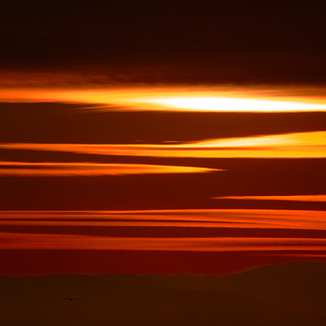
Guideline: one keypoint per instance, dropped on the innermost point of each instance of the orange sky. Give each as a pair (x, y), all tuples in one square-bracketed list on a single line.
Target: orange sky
[(161, 127), (29, 229)]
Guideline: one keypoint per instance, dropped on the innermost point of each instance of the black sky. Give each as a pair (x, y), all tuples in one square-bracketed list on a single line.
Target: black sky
[(168, 41)]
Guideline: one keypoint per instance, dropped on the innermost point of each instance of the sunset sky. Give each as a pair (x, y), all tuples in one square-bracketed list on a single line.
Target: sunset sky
[(161, 137)]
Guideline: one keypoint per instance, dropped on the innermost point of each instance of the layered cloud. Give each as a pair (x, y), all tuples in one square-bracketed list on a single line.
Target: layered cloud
[(65, 242), (206, 218), (20, 235)]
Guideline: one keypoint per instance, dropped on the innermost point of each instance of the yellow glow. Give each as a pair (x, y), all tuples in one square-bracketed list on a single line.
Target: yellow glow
[(316, 138), (295, 145), (89, 169), (178, 98), (224, 104)]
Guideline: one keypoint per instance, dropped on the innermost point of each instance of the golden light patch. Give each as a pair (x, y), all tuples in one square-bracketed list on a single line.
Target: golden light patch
[(294, 145), (225, 104), (48, 169), (178, 98)]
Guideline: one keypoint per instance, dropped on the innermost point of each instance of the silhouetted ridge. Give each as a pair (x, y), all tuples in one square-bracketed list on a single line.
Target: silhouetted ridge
[(292, 294)]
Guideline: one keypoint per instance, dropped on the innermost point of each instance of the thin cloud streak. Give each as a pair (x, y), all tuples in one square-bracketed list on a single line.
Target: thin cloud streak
[(311, 139), (294, 145), (49, 169), (304, 198), (25, 241), (296, 254), (214, 218)]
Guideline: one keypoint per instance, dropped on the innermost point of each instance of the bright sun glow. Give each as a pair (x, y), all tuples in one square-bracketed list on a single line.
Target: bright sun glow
[(176, 99), (225, 104)]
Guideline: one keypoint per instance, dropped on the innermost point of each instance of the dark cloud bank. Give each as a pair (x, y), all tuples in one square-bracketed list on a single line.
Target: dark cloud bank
[(168, 42)]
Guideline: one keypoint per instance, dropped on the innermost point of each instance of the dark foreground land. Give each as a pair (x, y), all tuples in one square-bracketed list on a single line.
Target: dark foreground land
[(293, 294)]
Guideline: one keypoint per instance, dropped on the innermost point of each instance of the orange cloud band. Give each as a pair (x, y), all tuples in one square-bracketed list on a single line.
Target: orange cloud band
[(209, 218), (308, 198), (83, 242), (294, 145), (49, 169)]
